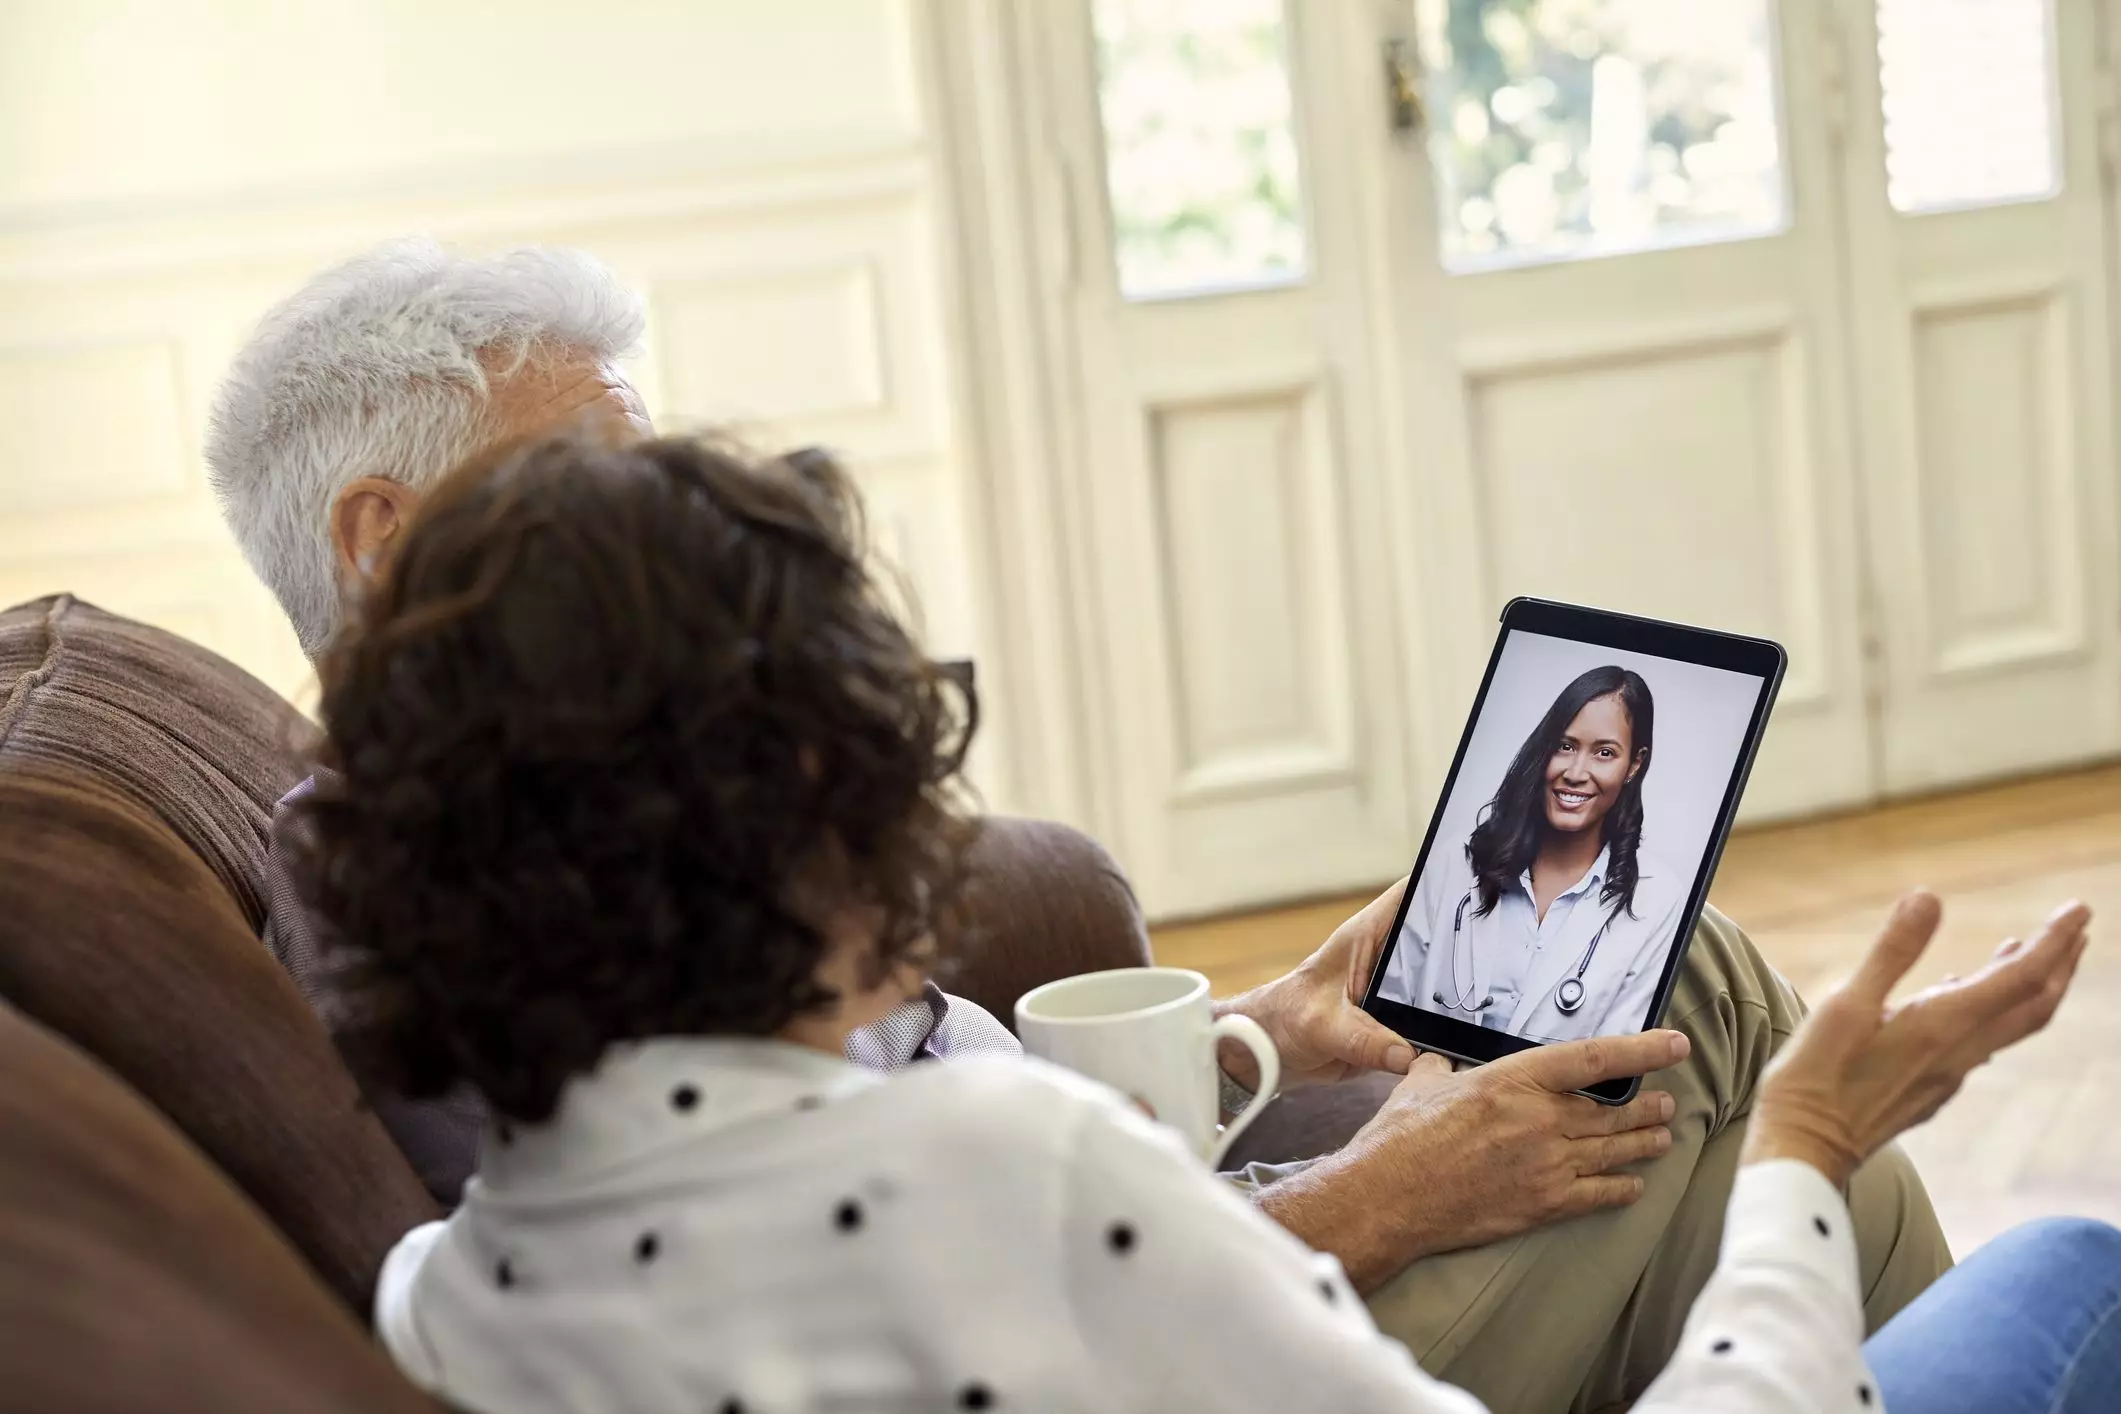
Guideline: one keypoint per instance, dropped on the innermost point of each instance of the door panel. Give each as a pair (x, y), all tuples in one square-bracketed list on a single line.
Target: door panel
[(1222, 361), (1975, 193), (1656, 426)]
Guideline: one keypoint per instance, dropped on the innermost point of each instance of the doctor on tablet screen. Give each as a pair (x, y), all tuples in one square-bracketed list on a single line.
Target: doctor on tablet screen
[(1550, 922)]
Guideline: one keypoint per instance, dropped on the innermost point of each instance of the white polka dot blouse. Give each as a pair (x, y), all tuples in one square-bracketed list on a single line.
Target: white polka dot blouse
[(748, 1227)]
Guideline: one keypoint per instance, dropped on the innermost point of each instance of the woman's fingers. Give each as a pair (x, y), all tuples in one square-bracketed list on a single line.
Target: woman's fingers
[(2017, 994), (1907, 931)]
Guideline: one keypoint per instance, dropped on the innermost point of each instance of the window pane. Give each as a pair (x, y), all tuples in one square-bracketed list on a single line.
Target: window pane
[(1969, 112), (1200, 144), (1564, 128)]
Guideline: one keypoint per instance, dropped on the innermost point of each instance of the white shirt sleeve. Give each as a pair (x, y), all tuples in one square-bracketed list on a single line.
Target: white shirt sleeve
[(1779, 1327), (397, 1311), (1188, 1297)]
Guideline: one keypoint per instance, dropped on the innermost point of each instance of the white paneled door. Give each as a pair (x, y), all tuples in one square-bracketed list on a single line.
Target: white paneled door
[(1230, 417), (1789, 317), (1638, 228), (1979, 301)]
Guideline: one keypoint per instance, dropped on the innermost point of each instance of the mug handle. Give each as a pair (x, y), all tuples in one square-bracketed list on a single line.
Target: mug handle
[(1255, 1039)]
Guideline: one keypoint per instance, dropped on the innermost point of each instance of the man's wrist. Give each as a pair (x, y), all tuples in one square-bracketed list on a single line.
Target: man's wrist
[(1354, 1206)]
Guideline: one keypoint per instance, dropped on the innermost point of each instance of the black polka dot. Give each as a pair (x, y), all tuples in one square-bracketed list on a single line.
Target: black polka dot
[(731, 1405), (1721, 1347), (684, 1098), (1326, 1289), (848, 1215), (975, 1396), (1819, 1226), (1863, 1392), (645, 1249), (1120, 1238), (504, 1274), (810, 1102), (506, 1132)]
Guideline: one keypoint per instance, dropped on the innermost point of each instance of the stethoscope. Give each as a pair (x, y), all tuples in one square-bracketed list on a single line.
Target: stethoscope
[(1568, 996)]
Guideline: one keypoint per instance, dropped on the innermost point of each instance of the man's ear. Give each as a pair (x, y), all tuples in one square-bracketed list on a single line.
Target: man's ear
[(366, 521)]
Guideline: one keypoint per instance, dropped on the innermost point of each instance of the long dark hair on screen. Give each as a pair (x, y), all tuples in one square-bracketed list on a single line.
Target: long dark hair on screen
[(1514, 824)]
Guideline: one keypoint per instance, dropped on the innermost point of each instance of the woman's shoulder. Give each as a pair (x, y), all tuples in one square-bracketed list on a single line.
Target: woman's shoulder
[(1659, 886), (1022, 1104)]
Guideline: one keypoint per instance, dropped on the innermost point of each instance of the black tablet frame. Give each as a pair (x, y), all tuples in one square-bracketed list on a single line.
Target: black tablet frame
[(1756, 657)]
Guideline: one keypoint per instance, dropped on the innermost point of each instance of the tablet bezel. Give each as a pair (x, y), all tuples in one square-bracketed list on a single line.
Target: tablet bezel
[(1755, 657)]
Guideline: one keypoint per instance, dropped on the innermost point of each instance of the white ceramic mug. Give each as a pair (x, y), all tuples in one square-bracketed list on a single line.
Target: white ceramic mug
[(1149, 1033)]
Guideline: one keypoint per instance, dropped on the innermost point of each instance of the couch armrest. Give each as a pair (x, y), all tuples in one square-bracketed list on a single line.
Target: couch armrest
[(135, 1280), (119, 938)]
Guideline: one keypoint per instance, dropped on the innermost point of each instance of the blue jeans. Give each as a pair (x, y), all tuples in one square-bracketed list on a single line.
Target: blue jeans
[(2030, 1324)]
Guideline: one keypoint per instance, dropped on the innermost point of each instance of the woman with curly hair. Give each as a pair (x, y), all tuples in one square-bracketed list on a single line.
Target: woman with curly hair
[(644, 805)]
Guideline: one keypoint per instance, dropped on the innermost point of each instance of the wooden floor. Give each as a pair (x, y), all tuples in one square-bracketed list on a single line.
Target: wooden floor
[(2039, 1130)]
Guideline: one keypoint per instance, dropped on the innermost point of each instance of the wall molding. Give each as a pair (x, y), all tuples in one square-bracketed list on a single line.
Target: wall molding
[(630, 187)]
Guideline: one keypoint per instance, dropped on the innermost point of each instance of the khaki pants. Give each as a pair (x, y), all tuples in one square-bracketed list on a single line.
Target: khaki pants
[(1581, 1316)]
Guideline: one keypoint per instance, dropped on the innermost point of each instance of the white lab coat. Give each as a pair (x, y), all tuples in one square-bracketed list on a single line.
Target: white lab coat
[(1618, 984)]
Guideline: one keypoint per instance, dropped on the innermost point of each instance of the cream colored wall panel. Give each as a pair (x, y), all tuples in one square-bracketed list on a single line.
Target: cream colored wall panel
[(1670, 481), (126, 102), (1995, 468), (86, 426), (799, 346), (800, 304), (1249, 569)]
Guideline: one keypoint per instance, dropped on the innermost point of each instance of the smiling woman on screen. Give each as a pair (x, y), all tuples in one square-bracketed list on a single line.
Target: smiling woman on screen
[(1552, 923)]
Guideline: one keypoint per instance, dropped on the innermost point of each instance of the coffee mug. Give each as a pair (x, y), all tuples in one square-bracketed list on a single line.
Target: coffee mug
[(1149, 1033)]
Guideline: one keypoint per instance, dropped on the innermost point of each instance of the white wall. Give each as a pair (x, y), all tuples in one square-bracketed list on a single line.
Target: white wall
[(169, 167)]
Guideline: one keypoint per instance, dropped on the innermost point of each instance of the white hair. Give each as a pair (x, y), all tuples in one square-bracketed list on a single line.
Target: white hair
[(379, 367)]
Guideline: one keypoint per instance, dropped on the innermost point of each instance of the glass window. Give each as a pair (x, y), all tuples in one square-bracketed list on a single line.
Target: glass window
[(1563, 128), (1968, 91), (1200, 145)]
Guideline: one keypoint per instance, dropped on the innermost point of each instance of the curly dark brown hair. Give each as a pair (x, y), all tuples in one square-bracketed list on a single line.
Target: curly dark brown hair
[(618, 729)]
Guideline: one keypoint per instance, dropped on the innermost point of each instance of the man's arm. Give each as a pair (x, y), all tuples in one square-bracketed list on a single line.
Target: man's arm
[(1463, 1159), (1451, 1160)]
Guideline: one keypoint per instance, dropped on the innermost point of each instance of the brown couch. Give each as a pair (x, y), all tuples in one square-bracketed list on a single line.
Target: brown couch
[(176, 1129)]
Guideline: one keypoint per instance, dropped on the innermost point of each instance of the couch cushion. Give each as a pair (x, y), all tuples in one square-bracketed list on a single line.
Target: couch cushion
[(96, 699)]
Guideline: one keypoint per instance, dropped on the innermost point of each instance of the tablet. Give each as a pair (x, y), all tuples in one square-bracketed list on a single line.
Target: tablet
[(1575, 839)]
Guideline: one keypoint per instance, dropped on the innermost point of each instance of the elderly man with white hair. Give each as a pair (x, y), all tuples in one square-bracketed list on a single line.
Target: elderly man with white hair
[(1524, 1243)]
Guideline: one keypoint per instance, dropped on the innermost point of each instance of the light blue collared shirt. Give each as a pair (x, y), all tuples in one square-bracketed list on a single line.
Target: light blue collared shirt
[(1524, 935)]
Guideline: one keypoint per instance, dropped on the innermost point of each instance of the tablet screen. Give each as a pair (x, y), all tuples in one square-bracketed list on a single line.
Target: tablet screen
[(1563, 865)]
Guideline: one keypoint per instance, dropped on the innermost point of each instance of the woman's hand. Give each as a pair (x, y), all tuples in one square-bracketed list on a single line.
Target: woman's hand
[(1861, 1070)]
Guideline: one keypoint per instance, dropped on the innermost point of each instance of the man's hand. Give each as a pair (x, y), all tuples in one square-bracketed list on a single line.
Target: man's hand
[(1462, 1159), (1861, 1070), (1314, 1014)]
